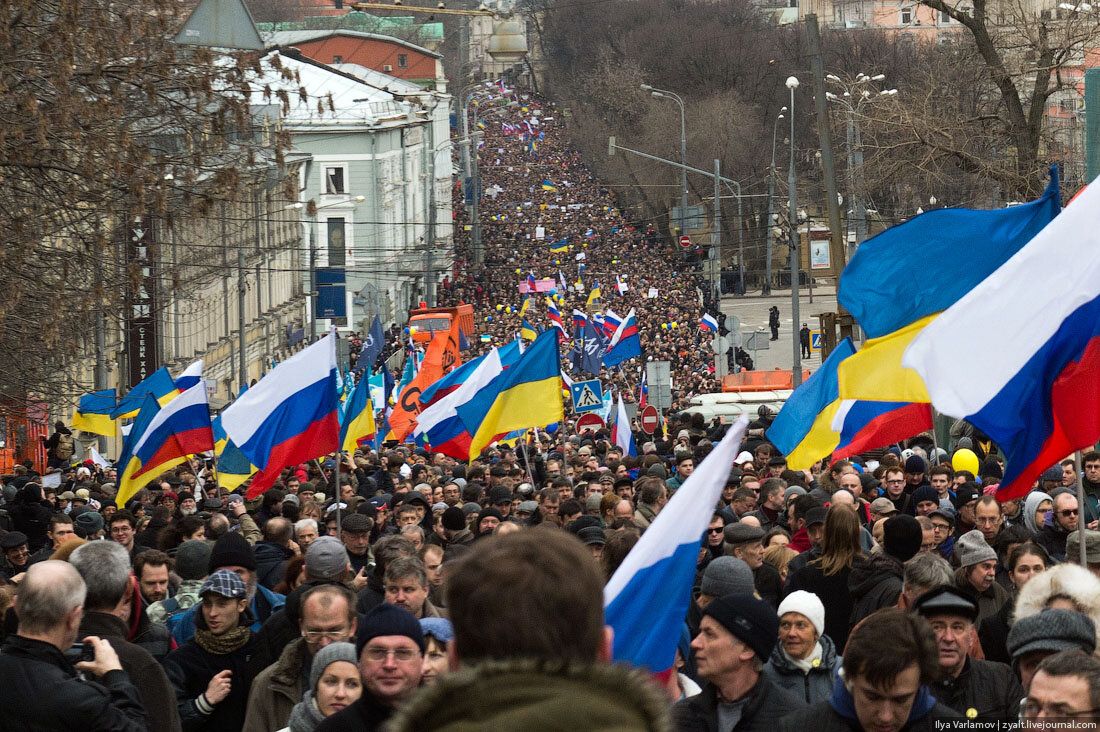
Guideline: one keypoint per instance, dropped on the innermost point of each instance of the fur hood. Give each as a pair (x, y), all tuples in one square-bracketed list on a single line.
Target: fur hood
[(518, 696), (1070, 581)]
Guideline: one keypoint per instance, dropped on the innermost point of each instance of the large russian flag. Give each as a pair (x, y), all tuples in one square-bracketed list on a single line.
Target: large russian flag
[(190, 376), (167, 435), (440, 424), (1019, 355), (647, 598), (621, 434), (290, 416)]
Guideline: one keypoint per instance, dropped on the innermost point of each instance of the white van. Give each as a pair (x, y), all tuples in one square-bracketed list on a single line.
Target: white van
[(732, 405)]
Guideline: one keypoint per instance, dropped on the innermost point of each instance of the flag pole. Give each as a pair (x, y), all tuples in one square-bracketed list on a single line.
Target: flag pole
[(339, 523), (1082, 523)]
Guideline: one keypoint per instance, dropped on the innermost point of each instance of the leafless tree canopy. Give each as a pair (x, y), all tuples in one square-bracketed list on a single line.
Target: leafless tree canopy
[(102, 118)]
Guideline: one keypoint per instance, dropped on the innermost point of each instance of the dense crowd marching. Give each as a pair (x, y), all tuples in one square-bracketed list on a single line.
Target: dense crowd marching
[(403, 590)]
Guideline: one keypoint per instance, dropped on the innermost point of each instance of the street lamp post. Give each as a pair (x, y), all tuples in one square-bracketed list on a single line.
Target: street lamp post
[(767, 289), (792, 206), (663, 94)]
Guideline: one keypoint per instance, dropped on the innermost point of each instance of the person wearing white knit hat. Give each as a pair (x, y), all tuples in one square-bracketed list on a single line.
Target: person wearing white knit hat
[(805, 660)]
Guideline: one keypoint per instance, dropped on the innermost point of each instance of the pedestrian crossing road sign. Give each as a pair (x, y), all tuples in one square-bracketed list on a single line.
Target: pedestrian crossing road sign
[(815, 340), (587, 396)]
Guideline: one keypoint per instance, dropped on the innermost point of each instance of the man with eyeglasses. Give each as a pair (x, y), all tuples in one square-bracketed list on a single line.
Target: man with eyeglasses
[(1066, 687), (893, 484), (942, 524), (122, 530), (984, 690), (390, 645), (1053, 537), (327, 616)]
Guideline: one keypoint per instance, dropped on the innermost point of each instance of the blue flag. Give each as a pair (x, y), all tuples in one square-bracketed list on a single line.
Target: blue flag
[(593, 347), (372, 346)]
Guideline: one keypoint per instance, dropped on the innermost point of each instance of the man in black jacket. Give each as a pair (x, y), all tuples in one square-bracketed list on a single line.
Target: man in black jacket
[(888, 663), (979, 689), (736, 636), (105, 568), (273, 553), (39, 687)]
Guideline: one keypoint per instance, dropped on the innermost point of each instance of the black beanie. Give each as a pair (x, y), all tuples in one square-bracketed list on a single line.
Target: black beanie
[(231, 550), (454, 519), (902, 537), (387, 619), (752, 620)]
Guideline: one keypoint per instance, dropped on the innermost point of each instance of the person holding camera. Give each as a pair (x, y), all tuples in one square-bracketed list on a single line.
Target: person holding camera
[(40, 687)]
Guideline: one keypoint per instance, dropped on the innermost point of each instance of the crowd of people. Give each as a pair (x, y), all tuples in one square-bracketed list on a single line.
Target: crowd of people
[(399, 589), (419, 593)]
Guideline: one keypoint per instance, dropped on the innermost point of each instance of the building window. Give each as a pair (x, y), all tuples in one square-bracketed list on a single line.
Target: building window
[(336, 240), (334, 180), (905, 16), (337, 59), (945, 19), (402, 60)]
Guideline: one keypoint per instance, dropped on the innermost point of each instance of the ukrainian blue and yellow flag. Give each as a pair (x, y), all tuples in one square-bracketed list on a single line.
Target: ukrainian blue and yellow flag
[(93, 413), (803, 428), (548, 185), (526, 330), (594, 294), (357, 424), (966, 246), (526, 304), (521, 397), (560, 246), (159, 383), (231, 466)]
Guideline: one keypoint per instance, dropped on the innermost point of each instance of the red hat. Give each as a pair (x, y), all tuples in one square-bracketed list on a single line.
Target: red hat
[(168, 494)]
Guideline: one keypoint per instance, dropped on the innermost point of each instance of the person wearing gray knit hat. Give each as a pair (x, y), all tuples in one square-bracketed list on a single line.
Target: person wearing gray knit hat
[(334, 684), (1037, 636), (794, 490), (971, 549), (978, 567), (725, 576)]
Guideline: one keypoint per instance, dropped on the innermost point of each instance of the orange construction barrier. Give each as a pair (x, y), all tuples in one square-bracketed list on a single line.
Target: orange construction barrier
[(761, 380)]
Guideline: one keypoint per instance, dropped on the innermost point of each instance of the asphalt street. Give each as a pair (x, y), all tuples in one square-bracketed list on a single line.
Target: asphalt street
[(753, 314)]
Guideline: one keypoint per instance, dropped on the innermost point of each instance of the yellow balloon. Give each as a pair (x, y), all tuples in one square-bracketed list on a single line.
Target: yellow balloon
[(517, 271), (965, 459)]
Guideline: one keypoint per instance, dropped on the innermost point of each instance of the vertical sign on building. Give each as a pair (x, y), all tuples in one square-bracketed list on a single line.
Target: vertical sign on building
[(141, 319)]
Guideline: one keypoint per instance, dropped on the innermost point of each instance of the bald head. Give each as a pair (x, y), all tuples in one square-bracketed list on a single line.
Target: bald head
[(843, 498), (623, 510), (750, 521), (48, 596)]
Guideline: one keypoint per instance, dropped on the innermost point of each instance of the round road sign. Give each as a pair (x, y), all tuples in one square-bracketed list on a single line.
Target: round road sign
[(589, 423), (649, 419), (685, 241)]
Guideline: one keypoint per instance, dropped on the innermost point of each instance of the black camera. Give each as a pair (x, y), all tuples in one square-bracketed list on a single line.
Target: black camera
[(80, 652)]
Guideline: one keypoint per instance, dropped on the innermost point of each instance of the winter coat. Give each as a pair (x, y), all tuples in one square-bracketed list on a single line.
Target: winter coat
[(31, 515), (767, 704), (875, 583), (144, 671), (519, 696), (40, 692), (190, 669), (277, 689), (816, 685), (271, 560), (768, 583), (833, 592), (989, 688), (839, 714), (1052, 538)]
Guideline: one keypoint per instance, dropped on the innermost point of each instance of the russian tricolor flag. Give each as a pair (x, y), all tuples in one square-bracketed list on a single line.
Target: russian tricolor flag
[(190, 376), (620, 430), (580, 319), (290, 416), (865, 425), (625, 342), (646, 600), (708, 322), (610, 323), (1019, 355), (555, 320)]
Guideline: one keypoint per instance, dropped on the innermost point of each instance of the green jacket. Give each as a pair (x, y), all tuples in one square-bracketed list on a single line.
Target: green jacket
[(520, 696)]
